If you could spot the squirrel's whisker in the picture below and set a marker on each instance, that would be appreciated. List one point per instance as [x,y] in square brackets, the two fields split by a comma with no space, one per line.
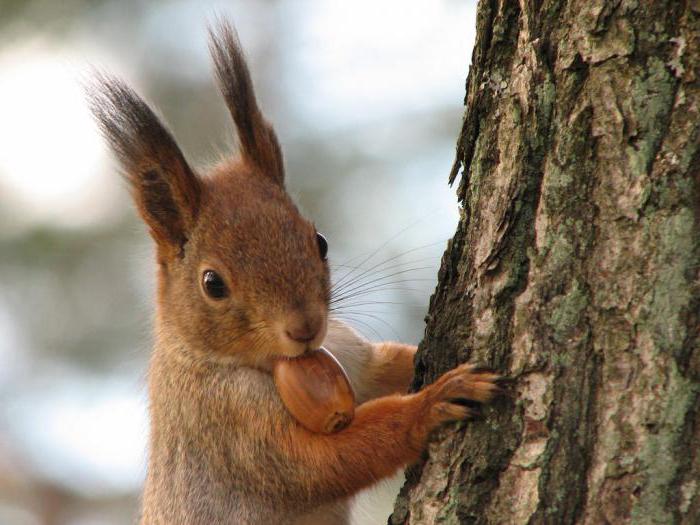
[353,320]
[348,289]
[406,252]
[379,287]
[383,272]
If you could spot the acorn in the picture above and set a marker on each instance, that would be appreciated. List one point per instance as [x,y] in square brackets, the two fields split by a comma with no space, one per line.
[316,390]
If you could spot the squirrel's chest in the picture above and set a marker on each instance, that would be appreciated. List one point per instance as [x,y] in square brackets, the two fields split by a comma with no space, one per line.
[217,434]
[210,414]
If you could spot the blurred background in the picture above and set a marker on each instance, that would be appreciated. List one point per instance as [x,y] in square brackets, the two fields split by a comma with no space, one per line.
[366,98]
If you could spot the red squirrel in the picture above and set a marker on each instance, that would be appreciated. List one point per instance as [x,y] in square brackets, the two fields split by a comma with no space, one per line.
[243,279]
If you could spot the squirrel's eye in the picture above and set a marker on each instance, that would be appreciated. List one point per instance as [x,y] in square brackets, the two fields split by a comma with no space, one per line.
[322,246]
[214,285]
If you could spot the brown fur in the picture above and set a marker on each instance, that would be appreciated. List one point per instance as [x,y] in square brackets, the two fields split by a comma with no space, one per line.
[223,449]
[391,368]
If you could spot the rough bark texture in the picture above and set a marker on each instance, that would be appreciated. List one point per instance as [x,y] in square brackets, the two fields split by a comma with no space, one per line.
[575,269]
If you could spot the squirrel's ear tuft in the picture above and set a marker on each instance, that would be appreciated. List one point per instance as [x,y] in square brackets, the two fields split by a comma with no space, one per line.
[167,192]
[259,145]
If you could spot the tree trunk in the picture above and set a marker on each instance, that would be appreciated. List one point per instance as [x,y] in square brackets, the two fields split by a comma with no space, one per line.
[575,270]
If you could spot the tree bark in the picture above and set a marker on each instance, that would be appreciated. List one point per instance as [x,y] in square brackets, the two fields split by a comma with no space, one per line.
[575,270]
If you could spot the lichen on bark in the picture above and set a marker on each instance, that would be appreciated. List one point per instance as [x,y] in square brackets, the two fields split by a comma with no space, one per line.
[575,269]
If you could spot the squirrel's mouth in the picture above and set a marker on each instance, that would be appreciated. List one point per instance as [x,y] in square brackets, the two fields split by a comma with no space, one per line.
[300,332]
[294,350]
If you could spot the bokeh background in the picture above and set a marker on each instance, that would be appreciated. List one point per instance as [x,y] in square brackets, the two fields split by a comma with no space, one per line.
[366,97]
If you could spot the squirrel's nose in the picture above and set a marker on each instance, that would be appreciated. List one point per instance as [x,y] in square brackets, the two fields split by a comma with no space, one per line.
[303,328]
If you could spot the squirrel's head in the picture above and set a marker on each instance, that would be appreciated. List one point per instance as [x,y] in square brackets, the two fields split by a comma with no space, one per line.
[242,274]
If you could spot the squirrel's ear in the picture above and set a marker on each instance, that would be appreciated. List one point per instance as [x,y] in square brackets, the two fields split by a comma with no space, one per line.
[259,146]
[167,192]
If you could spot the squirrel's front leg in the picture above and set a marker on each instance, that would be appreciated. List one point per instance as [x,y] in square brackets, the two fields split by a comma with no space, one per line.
[386,434]
[390,368]
[375,369]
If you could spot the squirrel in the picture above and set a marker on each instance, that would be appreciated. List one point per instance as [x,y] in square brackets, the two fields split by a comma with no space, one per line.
[242,280]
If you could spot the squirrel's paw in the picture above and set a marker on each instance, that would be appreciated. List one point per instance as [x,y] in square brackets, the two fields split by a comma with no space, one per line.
[468,383]
[455,396]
